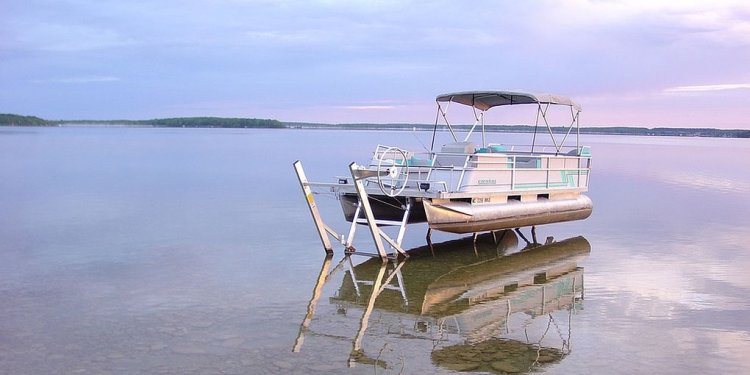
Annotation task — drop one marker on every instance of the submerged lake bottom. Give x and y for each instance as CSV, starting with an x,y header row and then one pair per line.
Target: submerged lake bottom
x,y
139,250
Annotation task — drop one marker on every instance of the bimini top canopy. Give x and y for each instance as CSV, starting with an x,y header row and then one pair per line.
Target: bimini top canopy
x,y
484,100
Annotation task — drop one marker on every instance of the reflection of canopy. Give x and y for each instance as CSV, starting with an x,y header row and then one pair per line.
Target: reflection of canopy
x,y
496,355
484,100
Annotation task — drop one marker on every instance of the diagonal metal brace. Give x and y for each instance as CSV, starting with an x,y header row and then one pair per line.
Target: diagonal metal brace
x,y
323,229
359,174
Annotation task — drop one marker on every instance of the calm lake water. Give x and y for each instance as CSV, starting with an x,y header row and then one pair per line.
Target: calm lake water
x,y
190,251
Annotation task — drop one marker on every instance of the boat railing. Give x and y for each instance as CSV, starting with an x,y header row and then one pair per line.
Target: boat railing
x,y
506,168
537,149
531,171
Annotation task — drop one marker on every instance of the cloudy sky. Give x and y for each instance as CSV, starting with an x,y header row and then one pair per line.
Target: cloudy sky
x,y
633,63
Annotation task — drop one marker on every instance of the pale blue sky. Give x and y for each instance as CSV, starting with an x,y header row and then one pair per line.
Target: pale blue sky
x,y
635,63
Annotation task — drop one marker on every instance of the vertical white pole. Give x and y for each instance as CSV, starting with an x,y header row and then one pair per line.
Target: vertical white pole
x,y
404,222
353,228
362,195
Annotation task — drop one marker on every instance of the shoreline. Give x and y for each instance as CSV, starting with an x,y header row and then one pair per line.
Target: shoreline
x,y
623,131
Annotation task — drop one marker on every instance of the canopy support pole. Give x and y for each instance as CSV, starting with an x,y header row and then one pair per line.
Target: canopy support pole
x,y
445,117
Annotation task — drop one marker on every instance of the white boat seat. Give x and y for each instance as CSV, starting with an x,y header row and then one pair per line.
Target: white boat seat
x,y
454,154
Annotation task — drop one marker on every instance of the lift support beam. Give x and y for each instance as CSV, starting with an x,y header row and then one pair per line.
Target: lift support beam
x,y
358,175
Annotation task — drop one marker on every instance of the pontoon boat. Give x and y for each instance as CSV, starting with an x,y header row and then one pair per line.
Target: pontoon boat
x,y
467,185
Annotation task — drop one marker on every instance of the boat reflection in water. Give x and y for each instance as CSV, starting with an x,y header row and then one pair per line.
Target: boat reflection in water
x,y
483,305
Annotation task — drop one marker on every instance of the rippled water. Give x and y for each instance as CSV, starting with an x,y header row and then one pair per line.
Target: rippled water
x,y
137,250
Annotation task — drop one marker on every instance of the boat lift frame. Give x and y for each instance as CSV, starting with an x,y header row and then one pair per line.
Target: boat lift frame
x,y
358,174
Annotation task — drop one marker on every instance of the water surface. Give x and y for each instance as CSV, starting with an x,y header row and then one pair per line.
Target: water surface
x,y
139,250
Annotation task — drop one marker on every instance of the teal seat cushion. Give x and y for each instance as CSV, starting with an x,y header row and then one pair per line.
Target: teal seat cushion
x,y
415,161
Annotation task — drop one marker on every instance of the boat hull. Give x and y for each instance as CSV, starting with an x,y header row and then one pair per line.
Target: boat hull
x,y
463,217
384,208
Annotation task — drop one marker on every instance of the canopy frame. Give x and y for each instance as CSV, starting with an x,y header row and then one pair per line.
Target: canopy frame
x,y
482,101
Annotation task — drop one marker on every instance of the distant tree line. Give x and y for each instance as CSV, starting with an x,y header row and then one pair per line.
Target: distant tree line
x,y
616,130
222,122
18,120
179,122
218,122
675,132
187,122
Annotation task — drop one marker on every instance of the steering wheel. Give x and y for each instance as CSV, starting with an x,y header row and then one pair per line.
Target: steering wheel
x,y
396,173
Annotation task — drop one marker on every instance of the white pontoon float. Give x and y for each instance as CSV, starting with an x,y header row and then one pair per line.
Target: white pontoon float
x,y
465,187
